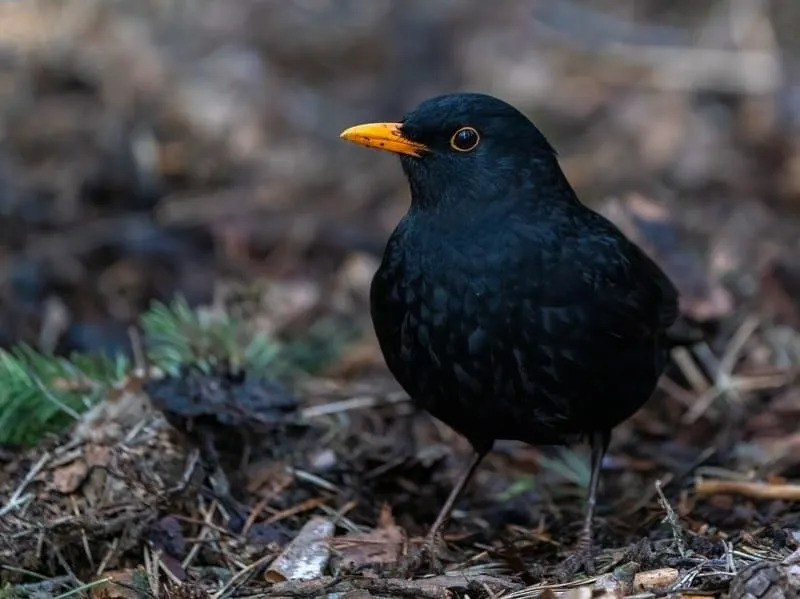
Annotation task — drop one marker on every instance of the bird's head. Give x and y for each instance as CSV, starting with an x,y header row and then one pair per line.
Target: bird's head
x,y
463,148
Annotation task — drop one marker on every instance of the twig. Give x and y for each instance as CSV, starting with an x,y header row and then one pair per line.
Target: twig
x,y
726,384
672,519
736,344
135,430
109,554
84,537
203,534
686,581
792,558
339,516
151,568
303,506
82,588
14,500
755,490
21,502
63,563
673,389
137,348
166,570
313,479
254,513
729,557
191,462
689,368
436,587
354,403
228,585
537,589
702,404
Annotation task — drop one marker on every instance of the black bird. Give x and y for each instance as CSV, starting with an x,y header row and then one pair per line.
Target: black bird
x,y
504,306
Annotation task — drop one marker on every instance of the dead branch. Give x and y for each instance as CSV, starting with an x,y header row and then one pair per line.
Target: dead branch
x,y
755,490
672,519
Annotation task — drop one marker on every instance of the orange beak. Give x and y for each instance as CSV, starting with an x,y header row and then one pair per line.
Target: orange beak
x,y
384,136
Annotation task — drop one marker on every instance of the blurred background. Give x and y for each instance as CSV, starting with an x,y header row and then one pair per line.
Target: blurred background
x,y
151,149
191,147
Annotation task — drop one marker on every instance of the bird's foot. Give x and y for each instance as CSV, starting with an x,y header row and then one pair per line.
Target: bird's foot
x,y
582,558
425,559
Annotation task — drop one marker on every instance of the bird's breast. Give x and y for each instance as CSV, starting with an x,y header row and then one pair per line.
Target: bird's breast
x,y
448,322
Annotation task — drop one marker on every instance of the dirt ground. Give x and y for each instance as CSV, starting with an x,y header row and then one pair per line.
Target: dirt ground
x,y
162,147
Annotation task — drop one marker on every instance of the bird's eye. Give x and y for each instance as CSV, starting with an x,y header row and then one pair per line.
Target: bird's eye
x,y
465,139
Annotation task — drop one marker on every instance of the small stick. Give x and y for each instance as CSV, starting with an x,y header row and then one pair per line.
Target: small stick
x,y
137,348
672,519
83,587
729,557
151,568
354,403
736,345
84,537
303,506
165,569
204,532
60,558
255,513
191,461
236,577
313,479
752,489
107,557
14,500
683,358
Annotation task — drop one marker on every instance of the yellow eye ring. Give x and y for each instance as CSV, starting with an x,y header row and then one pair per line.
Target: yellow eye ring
x,y
465,139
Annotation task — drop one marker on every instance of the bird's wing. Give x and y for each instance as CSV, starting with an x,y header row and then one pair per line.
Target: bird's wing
x,y
599,307
609,278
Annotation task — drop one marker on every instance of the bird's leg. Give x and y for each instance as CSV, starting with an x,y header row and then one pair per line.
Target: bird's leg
x,y
584,550
462,481
429,547
599,445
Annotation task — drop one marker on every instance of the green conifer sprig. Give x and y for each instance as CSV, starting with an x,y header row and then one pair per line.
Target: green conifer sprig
x,y
42,393
177,335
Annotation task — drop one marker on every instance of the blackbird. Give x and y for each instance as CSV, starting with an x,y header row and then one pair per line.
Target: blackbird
x,y
504,306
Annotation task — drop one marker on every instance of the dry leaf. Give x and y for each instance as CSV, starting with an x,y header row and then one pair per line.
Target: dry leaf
x,y
379,546
68,478
122,584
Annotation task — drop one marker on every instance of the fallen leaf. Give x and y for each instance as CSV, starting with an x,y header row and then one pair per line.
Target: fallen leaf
x,y
379,546
69,477
122,584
